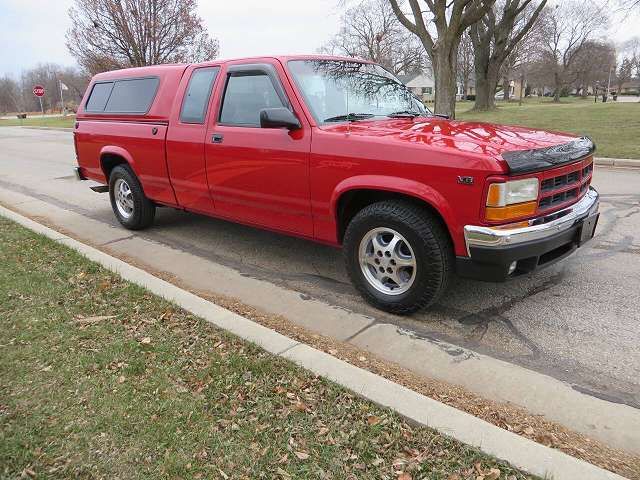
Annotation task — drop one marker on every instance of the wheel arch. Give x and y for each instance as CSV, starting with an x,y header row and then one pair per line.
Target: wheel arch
x,y
355,193
111,156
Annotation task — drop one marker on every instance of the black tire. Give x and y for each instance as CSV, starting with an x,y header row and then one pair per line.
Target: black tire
x,y
144,209
431,248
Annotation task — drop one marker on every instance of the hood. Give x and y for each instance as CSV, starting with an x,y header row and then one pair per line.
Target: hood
x,y
522,149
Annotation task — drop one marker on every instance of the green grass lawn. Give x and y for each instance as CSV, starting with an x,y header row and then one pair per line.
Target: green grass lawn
x,y
37,121
101,379
615,127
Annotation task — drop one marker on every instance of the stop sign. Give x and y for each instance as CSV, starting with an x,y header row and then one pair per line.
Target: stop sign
x,y
38,90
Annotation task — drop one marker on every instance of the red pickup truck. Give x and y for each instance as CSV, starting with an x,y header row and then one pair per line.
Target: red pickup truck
x,y
338,151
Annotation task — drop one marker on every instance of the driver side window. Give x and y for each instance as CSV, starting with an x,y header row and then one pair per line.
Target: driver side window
x,y
245,96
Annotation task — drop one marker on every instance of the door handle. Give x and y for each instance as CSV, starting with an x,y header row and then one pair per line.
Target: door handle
x,y
217,138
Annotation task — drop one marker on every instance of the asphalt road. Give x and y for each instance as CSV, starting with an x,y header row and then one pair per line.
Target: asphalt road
x,y
577,320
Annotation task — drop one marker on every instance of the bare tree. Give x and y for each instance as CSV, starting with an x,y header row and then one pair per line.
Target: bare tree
x,y
49,75
629,4
631,48
450,18
370,30
567,27
465,63
9,95
495,39
624,73
592,64
108,34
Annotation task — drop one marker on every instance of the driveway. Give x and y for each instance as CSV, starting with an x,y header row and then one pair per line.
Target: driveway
x,y
577,321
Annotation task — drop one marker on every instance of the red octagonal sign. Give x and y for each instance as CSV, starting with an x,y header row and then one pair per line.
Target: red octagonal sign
x,y
38,90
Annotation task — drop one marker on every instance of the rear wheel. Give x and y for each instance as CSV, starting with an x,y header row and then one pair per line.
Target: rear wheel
x,y
398,256
128,201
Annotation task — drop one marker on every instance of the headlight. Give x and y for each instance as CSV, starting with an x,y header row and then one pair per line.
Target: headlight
x,y
508,200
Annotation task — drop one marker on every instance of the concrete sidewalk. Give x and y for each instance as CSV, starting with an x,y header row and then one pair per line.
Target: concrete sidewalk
x,y
518,451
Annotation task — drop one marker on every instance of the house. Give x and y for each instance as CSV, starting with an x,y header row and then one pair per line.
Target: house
x,y
515,87
630,88
471,90
421,84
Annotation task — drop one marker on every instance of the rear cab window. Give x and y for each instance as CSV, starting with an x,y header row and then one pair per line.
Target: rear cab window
x,y
125,96
196,99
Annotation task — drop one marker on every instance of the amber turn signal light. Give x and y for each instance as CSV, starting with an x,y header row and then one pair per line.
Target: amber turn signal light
x,y
509,212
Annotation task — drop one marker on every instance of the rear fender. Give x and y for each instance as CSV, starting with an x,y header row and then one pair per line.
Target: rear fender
x,y
119,151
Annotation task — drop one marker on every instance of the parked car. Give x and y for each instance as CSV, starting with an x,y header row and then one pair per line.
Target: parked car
x,y
340,152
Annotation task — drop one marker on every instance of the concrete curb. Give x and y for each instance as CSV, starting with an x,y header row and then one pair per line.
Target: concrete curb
x,y
617,162
518,451
58,129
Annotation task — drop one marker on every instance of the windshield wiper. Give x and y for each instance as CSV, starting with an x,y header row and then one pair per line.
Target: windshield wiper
x,y
351,117
406,114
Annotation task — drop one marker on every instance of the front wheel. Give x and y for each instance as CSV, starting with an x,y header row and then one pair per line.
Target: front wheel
x,y
128,201
398,256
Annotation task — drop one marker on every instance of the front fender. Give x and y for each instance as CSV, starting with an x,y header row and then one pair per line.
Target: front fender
x,y
401,185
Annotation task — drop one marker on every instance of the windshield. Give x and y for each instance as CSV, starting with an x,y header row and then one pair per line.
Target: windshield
x,y
338,90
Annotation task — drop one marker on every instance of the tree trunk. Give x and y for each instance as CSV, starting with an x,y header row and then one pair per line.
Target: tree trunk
x,y
506,88
558,87
486,82
444,70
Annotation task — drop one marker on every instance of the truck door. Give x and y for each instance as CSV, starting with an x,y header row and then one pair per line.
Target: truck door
x,y
258,175
186,137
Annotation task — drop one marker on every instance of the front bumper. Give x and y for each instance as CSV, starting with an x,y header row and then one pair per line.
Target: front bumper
x,y
545,240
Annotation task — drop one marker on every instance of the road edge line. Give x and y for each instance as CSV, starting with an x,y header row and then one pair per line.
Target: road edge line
x,y
518,451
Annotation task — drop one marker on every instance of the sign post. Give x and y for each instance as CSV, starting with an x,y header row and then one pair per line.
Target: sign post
x,y
38,91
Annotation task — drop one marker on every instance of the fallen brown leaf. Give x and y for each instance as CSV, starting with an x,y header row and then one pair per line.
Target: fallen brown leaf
x,y
373,420
493,474
301,455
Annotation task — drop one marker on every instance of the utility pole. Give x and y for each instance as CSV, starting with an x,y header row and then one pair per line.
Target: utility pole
x,y
608,83
61,98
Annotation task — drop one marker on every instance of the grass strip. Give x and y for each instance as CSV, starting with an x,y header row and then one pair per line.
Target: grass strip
x,y
101,379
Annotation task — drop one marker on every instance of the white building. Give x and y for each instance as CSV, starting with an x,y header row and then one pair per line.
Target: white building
x,y
421,84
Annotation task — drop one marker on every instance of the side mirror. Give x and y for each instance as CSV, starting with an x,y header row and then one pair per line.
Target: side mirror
x,y
278,118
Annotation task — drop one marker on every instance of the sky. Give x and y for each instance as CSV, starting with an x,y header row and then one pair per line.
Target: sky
x,y
33,31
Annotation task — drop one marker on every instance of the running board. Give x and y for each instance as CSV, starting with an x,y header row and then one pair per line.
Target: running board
x,y
100,188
